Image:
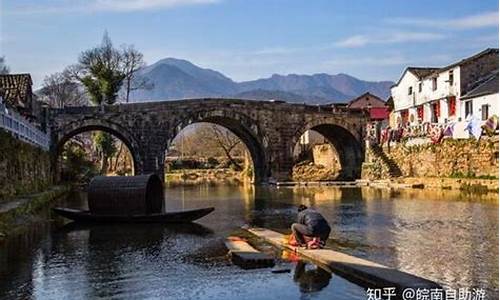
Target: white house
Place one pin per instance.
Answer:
(482, 101)
(440, 95)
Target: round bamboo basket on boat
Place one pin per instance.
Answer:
(126, 195)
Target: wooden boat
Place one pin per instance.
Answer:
(167, 217)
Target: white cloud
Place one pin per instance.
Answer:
(391, 59)
(354, 41)
(486, 19)
(362, 40)
(132, 5)
(66, 6)
(368, 61)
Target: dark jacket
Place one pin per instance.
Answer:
(313, 220)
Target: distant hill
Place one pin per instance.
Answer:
(177, 79)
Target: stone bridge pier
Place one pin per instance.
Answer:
(270, 130)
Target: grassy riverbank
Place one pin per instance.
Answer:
(202, 176)
(18, 213)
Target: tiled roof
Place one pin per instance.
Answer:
(471, 58)
(419, 72)
(484, 86)
(15, 88)
(422, 72)
(371, 96)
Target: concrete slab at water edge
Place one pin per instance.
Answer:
(361, 271)
(247, 257)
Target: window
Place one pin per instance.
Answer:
(420, 87)
(452, 106)
(434, 83)
(468, 108)
(484, 112)
(450, 77)
(410, 90)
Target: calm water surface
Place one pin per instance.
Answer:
(446, 236)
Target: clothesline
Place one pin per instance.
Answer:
(472, 127)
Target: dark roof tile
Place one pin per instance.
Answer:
(484, 86)
(15, 88)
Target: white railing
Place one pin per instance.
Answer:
(22, 129)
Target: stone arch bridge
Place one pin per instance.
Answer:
(269, 129)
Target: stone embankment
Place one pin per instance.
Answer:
(23, 168)
(26, 182)
(309, 171)
(324, 165)
(201, 176)
(462, 164)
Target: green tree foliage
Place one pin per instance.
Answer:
(76, 165)
(106, 148)
(101, 70)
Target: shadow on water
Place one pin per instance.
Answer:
(136, 230)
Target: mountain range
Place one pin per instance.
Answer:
(172, 78)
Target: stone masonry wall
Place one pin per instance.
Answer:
(325, 155)
(23, 167)
(450, 158)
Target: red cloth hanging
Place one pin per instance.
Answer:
(452, 103)
(420, 112)
(437, 109)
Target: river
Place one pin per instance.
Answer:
(443, 235)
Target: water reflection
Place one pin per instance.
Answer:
(310, 278)
(446, 236)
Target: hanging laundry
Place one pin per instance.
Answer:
(384, 135)
(491, 125)
(460, 131)
(474, 127)
(449, 130)
(436, 134)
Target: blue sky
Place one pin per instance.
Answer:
(248, 39)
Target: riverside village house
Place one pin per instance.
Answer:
(461, 90)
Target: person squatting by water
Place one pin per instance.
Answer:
(311, 229)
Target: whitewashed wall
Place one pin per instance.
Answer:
(491, 100)
(400, 92)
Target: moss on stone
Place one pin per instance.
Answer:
(23, 168)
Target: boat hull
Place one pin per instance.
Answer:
(168, 217)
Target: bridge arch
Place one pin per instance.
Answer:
(71, 129)
(345, 137)
(245, 128)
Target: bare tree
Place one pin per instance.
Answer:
(4, 69)
(60, 91)
(211, 140)
(226, 141)
(132, 62)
